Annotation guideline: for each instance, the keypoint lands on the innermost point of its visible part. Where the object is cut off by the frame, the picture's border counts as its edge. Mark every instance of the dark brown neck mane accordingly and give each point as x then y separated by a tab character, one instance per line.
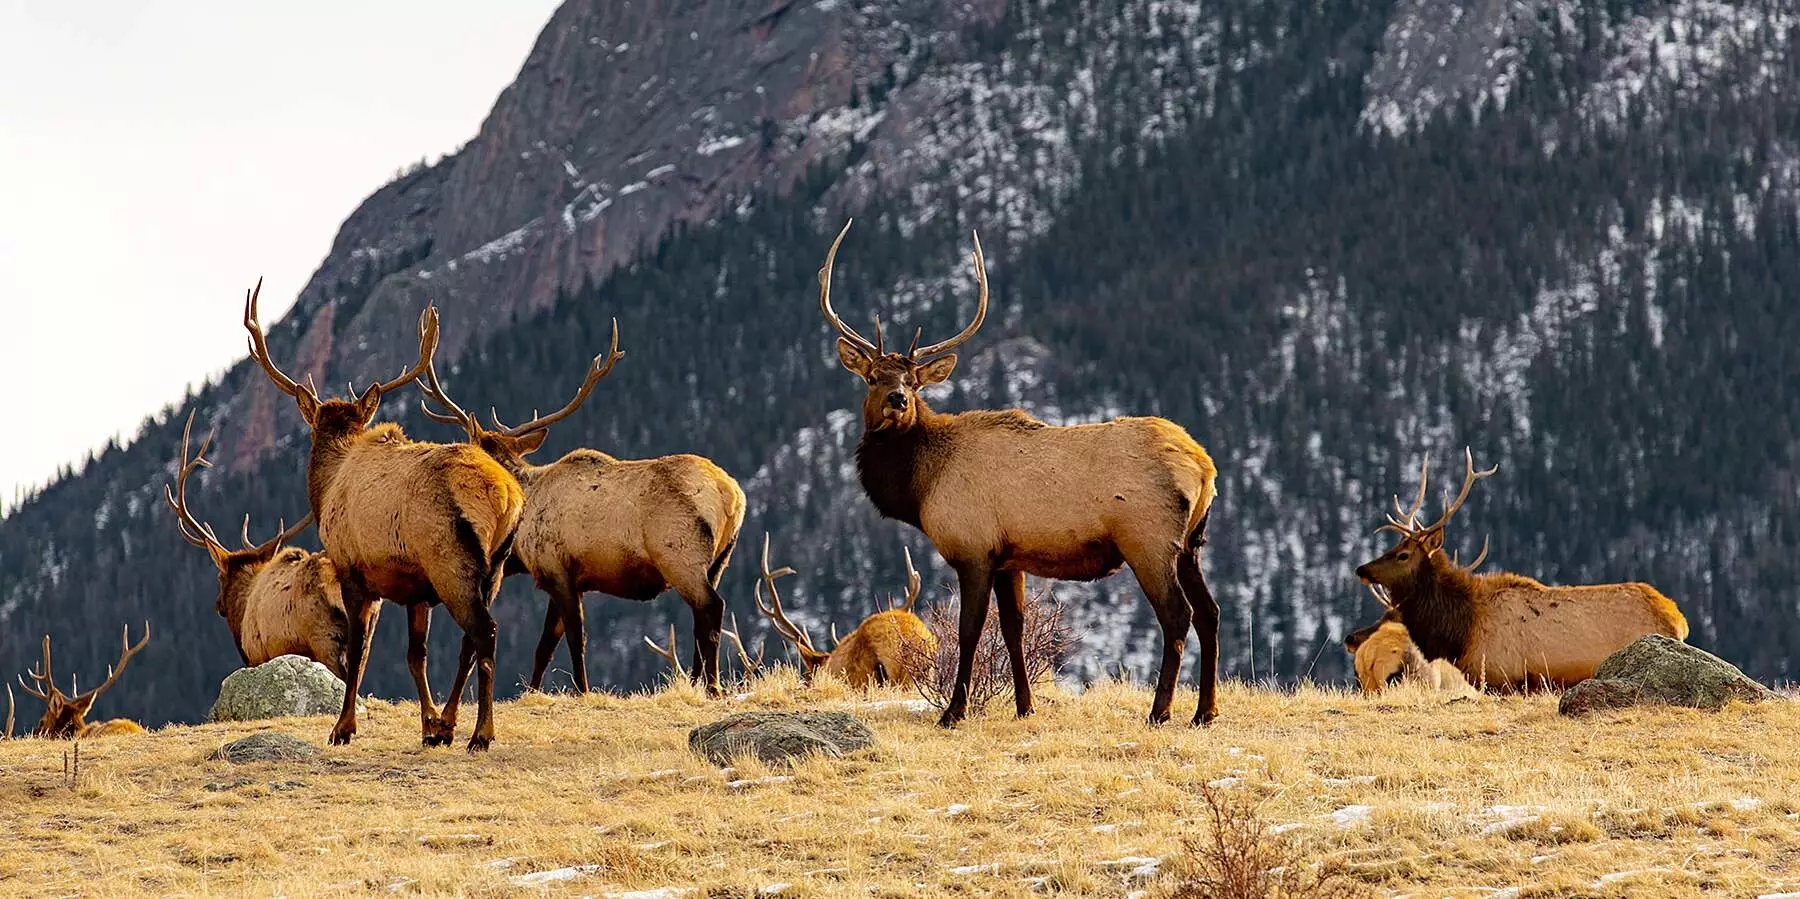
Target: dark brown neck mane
894	466
1437	607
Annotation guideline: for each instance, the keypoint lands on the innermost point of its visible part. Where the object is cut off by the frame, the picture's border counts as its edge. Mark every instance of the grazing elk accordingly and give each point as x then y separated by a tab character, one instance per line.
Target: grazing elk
1001	495
1386	656
65	717
875	653
628	527
1505	630
414	523
276	601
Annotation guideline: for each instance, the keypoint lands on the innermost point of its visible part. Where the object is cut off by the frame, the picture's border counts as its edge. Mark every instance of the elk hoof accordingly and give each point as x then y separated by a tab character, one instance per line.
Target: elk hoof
341	736
1157	716
1205	718
439	733
479	743
950	718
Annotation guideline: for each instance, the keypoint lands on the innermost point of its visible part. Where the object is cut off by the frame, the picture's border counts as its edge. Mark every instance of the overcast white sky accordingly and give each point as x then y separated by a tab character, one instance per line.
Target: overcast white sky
156	158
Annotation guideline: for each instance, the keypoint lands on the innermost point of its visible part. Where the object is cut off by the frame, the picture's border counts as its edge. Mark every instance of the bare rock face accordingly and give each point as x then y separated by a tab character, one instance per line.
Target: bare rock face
779	738
265	747
1656	670
283	687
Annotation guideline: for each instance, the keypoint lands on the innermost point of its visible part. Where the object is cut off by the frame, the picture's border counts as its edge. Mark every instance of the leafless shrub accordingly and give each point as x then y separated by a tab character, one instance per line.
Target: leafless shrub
1047	640
1239	858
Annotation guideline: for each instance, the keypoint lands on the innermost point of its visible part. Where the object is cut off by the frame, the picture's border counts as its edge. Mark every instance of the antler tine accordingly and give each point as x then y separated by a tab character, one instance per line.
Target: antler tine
750	665
772	609
849	333
9	713
913	582
1381	595
47	685
434	393
428	341
601	367
192	530
1470	476
880	347
835	639
670	654
286	533
1478	559
113	671
259	349
981	308
1410	518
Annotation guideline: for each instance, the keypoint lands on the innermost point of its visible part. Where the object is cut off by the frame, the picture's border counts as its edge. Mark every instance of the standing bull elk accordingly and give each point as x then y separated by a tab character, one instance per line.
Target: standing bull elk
1001	495
632	528
1505	630
276	601
875	653
65	717
414	523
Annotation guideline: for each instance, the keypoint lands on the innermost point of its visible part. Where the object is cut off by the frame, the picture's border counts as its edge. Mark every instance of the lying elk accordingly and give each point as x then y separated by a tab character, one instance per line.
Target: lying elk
414	523
1001	494
1505	630
875	653
1386	656
276	601
628	527
65	717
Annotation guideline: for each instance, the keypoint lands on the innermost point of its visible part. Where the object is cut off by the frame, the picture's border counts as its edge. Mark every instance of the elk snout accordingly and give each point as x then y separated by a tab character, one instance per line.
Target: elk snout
1364	575
896	399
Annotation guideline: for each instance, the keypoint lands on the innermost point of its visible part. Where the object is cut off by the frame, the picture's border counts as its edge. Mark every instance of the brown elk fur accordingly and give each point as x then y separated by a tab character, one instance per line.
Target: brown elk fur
1386	656
875	653
632	528
65	717
1001	495
1506	630
277	601
413	523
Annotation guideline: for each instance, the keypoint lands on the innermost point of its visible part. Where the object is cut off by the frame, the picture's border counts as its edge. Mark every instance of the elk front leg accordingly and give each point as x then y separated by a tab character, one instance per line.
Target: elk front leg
359	603
974	581
431	726
1009	597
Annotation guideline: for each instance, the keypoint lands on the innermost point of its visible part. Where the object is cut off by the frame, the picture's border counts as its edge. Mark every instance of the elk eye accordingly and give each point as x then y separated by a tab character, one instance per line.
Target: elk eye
1404	556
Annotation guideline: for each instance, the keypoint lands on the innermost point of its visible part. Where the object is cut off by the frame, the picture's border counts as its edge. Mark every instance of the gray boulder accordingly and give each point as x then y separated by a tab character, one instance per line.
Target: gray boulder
282	687
1657	670
778	738
272	746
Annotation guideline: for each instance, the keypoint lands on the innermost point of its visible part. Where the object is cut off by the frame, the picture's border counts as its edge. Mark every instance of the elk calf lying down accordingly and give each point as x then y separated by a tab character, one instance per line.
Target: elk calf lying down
873	654
1505	630
276	601
1386	657
65	717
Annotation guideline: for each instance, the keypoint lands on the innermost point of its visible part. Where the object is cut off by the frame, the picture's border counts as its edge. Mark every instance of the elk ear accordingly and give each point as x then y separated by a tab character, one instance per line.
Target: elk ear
853	358
529	443
309	410
370	401
937	370
1355	641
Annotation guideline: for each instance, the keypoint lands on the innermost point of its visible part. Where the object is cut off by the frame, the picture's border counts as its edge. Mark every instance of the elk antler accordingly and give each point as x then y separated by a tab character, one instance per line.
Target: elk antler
1478	559
751	666
112	671
772	609
434	393
669	654
981	308
601	367
1409	519
192	530
259	350
428	342
861	342
1470	476
284	534
46	682
912	582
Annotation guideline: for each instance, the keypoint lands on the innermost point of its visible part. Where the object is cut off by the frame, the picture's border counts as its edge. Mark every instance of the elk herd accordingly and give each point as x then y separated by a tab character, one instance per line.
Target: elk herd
999	495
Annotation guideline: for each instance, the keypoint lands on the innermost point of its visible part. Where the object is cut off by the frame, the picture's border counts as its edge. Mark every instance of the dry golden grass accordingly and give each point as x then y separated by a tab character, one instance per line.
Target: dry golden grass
1403	795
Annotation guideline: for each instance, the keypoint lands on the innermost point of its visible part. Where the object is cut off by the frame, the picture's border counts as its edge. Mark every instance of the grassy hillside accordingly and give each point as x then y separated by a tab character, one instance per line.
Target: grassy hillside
1406	795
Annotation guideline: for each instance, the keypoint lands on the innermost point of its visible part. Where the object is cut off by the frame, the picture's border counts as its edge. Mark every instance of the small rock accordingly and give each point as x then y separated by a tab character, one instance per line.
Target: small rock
222	786
1657	670
265	747
285	686
285	785
780	737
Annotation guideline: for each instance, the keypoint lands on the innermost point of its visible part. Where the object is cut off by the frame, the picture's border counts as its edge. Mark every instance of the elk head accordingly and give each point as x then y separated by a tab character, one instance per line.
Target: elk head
894	379
65	715
233	565
510	445
810	658
1420	547
335	419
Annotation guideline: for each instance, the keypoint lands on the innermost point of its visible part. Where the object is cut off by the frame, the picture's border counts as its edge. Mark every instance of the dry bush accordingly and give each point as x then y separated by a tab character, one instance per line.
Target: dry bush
1238	858
1047	640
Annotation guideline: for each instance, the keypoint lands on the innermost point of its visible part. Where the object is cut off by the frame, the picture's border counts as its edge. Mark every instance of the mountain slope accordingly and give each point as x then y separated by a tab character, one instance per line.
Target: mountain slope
1568	244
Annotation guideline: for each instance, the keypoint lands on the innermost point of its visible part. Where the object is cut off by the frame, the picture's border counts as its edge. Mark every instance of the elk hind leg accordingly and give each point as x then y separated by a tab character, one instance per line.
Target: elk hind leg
467	588
709	620
1159	582
974	581
1206	625
546	648
360	602
1009	599
431	726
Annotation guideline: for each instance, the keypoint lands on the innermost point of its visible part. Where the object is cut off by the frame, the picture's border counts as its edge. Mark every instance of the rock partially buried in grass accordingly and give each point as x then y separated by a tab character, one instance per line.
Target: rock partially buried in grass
1656	670
265	747
776	738
283	687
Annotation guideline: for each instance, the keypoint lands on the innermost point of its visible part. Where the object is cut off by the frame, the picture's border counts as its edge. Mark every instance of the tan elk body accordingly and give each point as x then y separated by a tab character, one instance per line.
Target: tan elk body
410	522
1002	495
276	600
632	528
65	716
883	649
1503	630
1386	656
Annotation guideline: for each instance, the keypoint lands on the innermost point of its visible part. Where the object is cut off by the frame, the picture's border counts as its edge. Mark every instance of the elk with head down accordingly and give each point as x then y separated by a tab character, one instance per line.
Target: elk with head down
876	653
1386	656
632	528
1505	630
413	523
1002	495
65	717
277	601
